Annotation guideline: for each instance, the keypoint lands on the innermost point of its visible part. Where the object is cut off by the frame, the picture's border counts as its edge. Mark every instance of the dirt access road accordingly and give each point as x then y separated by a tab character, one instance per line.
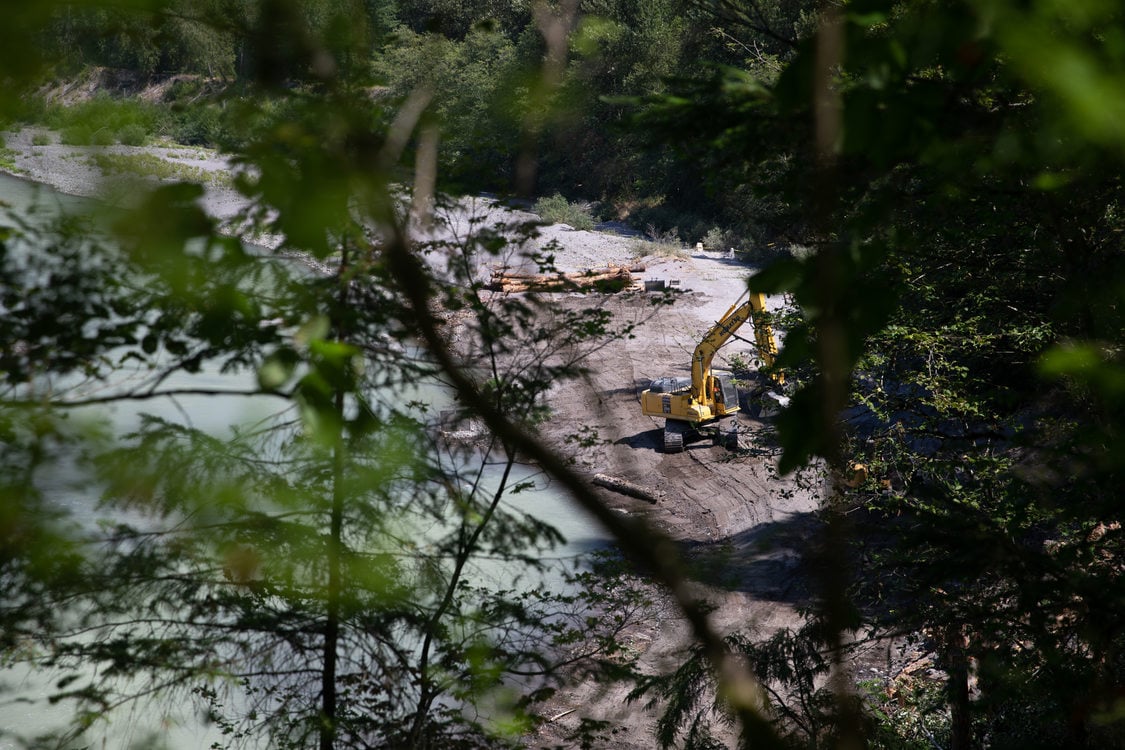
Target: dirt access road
738	523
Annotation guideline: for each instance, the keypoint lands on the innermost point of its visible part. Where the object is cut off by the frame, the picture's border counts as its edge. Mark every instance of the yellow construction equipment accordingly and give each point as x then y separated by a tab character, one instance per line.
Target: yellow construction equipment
690	403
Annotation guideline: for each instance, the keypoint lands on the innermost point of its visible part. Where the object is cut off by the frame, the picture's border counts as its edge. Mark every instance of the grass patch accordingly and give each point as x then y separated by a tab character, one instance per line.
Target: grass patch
558	210
151	166
40	139
660	245
106	120
8	159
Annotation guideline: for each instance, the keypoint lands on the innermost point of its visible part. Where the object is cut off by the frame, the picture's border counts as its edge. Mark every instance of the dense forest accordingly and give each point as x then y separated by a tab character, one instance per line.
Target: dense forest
936	185
481	64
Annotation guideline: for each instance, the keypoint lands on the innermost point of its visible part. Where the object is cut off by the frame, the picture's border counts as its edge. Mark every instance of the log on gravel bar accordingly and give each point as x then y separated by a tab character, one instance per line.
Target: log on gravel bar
609	279
625	487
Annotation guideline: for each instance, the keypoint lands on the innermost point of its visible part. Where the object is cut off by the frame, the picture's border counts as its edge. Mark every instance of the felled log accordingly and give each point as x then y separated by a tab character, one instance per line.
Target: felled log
605	281
625	487
503	271
609	279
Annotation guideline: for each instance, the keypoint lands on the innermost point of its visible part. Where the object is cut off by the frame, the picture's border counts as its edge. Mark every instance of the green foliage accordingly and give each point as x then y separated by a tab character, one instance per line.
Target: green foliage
558	210
103	121
717	239
908	716
966	243
201	124
8	159
791	666
619	49
133	135
456	19
475	87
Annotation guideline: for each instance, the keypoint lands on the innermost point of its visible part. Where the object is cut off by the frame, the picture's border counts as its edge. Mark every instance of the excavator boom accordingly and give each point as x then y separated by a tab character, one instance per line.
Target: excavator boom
720	333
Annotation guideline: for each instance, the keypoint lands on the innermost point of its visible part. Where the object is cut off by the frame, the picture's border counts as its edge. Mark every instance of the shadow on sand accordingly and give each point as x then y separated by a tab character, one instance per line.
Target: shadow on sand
770	561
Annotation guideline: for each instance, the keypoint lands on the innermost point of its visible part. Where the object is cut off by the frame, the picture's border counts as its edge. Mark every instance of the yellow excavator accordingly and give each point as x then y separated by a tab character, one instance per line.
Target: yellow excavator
687	404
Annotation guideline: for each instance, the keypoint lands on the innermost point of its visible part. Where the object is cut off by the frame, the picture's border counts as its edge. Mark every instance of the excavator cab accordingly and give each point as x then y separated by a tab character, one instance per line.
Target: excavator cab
726	395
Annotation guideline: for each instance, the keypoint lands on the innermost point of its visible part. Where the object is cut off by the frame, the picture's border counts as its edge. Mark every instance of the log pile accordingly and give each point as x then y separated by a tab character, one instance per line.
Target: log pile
608	279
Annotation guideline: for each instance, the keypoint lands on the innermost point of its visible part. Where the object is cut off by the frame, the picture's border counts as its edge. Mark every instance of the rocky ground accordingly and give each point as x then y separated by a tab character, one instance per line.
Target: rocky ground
731	510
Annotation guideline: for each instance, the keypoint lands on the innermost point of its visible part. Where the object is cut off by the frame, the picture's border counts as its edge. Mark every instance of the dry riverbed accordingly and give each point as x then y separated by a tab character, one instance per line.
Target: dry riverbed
729	510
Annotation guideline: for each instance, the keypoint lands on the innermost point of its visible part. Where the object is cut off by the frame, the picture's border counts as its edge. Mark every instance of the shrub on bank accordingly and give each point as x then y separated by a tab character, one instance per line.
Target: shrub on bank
198	125
133	135
558	210
717	239
103	121
76	135
8	158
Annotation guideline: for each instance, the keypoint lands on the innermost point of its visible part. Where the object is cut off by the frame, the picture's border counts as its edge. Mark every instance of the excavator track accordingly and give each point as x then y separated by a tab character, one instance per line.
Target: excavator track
728	434
674	436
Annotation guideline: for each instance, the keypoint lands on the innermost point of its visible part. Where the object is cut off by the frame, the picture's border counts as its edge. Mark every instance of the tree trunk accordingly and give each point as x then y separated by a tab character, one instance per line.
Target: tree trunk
335	544
957	667
332	622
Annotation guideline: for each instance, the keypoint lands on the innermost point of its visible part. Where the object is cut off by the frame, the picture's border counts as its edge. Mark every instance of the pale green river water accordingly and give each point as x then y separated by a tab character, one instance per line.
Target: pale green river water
23	708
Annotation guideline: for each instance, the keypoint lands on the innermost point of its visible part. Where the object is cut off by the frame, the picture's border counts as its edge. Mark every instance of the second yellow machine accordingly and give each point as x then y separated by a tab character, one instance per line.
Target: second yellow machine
688	404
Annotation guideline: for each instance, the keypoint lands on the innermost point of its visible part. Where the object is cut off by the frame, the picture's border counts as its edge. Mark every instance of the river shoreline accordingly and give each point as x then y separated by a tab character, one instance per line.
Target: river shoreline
37	155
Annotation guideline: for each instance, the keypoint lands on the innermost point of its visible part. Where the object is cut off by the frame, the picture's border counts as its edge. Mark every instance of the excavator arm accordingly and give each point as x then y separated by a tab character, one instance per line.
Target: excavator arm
720	333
